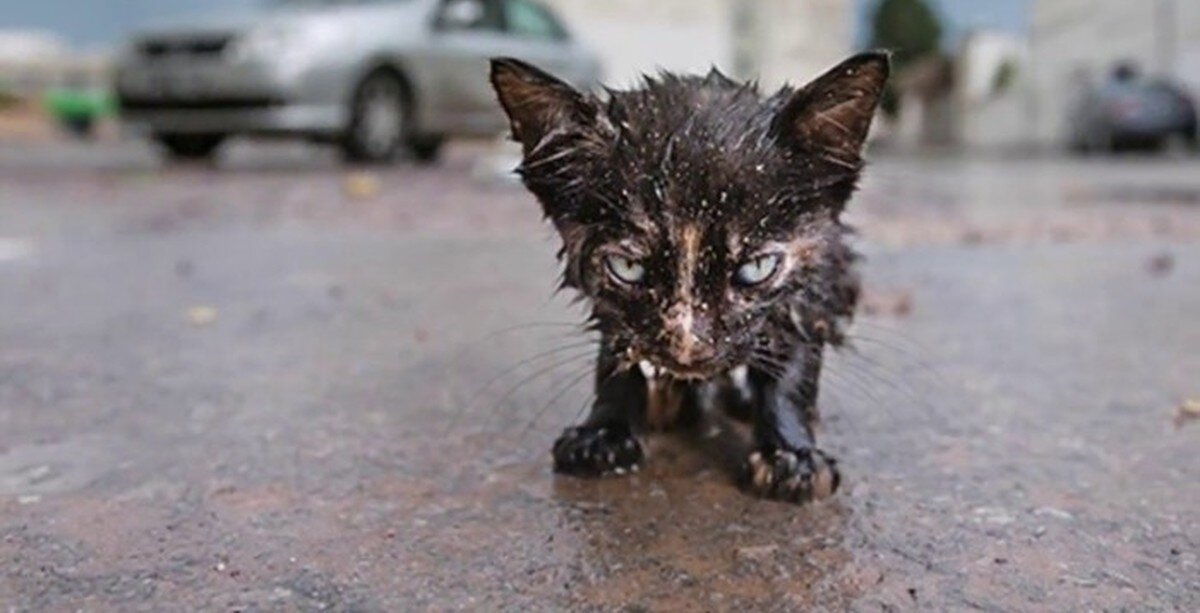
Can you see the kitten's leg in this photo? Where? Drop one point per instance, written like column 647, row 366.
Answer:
column 605, row 443
column 736, row 396
column 785, row 463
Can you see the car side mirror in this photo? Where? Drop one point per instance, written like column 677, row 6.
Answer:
column 461, row 15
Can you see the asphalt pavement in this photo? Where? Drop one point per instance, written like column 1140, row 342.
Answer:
column 275, row 383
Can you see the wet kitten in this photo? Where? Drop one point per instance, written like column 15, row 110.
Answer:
column 701, row 221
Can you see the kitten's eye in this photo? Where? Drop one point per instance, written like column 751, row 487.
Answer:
column 757, row 270
column 624, row 269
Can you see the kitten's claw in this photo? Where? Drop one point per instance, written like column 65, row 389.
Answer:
column 592, row 451
column 794, row 476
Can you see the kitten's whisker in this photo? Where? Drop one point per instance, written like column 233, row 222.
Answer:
column 883, row 343
column 517, row 328
column 868, row 322
column 855, row 383
column 906, row 355
column 575, row 380
column 534, row 358
column 811, row 387
column 906, row 391
column 570, row 360
column 589, row 399
column 478, row 393
column 899, row 380
column 773, row 369
column 879, row 366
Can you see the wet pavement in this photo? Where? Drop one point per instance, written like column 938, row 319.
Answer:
column 267, row 387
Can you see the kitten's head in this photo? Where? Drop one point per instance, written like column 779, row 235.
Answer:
column 691, row 207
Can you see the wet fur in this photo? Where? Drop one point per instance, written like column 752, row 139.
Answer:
column 691, row 176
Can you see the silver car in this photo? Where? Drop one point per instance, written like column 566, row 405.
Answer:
column 375, row 77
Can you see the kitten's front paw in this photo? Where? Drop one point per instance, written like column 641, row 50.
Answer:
column 592, row 451
column 794, row 476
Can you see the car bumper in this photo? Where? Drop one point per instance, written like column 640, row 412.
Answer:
column 1149, row 128
column 206, row 96
column 273, row 117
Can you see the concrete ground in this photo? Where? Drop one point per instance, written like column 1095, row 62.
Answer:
column 275, row 385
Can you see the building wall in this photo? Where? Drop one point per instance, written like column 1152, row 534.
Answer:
column 635, row 37
column 774, row 40
column 32, row 62
column 1187, row 61
column 992, row 118
column 798, row 40
column 1076, row 42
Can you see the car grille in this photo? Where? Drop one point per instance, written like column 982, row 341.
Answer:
column 138, row 103
column 195, row 46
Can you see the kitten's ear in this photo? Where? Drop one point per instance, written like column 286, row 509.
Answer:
column 536, row 103
column 832, row 115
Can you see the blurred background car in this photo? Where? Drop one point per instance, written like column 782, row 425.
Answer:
column 374, row 77
column 1129, row 111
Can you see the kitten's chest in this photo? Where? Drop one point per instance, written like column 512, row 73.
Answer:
column 665, row 398
column 670, row 401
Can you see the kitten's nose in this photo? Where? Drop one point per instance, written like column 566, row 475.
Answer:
column 687, row 336
column 694, row 352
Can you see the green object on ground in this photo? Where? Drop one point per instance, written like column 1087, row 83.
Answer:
column 68, row 104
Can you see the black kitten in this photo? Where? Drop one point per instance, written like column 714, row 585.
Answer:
column 702, row 223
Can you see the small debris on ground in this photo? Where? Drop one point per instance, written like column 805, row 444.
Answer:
column 887, row 303
column 757, row 553
column 1053, row 512
column 362, row 185
column 201, row 316
column 1187, row 411
column 971, row 236
column 1160, row 265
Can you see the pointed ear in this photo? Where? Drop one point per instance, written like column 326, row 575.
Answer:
column 832, row 115
column 537, row 104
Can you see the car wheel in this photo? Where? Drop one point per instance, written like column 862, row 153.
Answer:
column 1101, row 141
column 190, row 146
column 80, row 127
column 426, row 149
column 379, row 117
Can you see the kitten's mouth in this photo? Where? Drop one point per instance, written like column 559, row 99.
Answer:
column 677, row 371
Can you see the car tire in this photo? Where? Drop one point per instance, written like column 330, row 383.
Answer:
column 80, row 127
column 1099, row 141
column 379, row 119
column 426, row 149
column 190, row 146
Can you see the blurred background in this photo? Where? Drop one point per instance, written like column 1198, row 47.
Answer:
column 278, row 328
column 976, row 76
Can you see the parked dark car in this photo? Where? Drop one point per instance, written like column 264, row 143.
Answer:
column 1129, row 111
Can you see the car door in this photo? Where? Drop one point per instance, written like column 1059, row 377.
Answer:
column 535, row 35
column 465, row 35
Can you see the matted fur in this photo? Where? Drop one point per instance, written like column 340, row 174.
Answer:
column 691, row 178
